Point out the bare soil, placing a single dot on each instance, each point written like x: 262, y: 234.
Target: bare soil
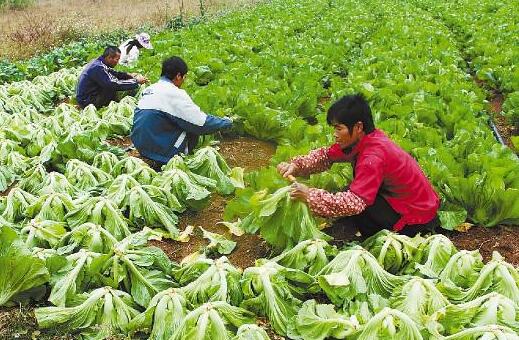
x: 495, y: 104
x: 250, y: 154
x: 487, y: 240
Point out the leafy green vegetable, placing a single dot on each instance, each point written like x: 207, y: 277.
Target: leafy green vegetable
x: 72, y: 278
x: 56, y: 182
x: 32, y: 181
x: 393, y: 251
x: 143, y: 209
x: 105, y: 161
x: 25, y: 271
x: 353, y: 272
x: 142, y: 271
x: 251, y: 332
x: 463, y: 268
x: 189, y: 188
x: 84, y: 176
x: 390, y: 324
x: 109, y: 309
x: 432, y: 256
x: 101, y: 211
x: 274, y: 291
x: 163, y: 316
x: 282, y: 222
x: 218, y: 243
x: 319, y: 321
x: 205, y: 280
x: 87, y: 236
x: 213, y: 320
x: 6, y: 178
x: 309, y: 256
x: 209, y: 163
x: 496, y: 276
x: 43, y: 233
x: 490, y: 309
x: 51, y: 207
x: 16, y: 205
x: 418, y: 298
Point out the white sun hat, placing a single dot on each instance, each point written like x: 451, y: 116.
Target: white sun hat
x: 144, y: 40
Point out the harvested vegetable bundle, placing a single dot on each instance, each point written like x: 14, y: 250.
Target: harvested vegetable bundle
x: 16, y: 205
x: 309, y: 256
x: 432, y: 256
x: 51, y: 207
x: 72, y: 278
x: 32, y: 181
x: 209, y: 163
x: 43, y: 233
x: 282, y: 222
x: 163, y: 316
x: 390, y: 324
x: 393, y: 251
x: 320, y: 321
x: 102, y: 211
x: 213, y: 320
x: 7, y: 178
x: 108, y: 309
x: 143, y: 271
x: 496, y: 276
x: 463, y: 269
x: 143, y: 209
x: 84, y: 176
x: 87, y: 236
x: 105, y: 161
x: 418, y: 298
x: 490, y: 309
x: 353, y: 272
x: 274, y: 291
x: 189, y: 188
x: 205, y: 280
x: 56, y: 182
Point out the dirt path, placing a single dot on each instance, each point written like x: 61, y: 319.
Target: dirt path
x: 250, y: 154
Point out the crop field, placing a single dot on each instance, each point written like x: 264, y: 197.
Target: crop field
x: 95, y: 244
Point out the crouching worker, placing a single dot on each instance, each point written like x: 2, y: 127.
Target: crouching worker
x: 388, y: 190
x: 166, y: 121
x: 99, y: 83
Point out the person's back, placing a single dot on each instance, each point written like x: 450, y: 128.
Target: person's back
x: 166, y: 121
x: 130, y: 48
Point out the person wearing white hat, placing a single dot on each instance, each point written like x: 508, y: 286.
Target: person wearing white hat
x: 130, y: 48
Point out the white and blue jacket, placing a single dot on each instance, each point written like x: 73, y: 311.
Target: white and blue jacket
x: 166, y: 118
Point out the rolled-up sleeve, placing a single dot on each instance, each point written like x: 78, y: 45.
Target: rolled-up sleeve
x: 339, y: 204
x: 316, y: 161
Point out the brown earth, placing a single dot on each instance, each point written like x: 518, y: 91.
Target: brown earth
x: 499, y: 238
x: 495, y: 104
x: 250, y: 154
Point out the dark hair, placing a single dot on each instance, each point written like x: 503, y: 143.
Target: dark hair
x: 173, y: 66
x: 349, y: 110
x: 110, y: 51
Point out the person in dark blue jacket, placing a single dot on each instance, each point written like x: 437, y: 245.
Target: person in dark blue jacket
x: 99, y: 82
x: 167, y: 121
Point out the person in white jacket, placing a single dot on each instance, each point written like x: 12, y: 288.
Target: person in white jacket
x: 130, y: 48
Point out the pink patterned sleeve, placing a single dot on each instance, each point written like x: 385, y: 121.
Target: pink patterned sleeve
x: 326, y: 204
x: 316, y: 161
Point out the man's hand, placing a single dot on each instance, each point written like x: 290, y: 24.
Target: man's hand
x: 300, y: 192
x: 286, y: 169
x: 141, y: 79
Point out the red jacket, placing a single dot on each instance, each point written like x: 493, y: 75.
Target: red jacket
x: 381, y: 166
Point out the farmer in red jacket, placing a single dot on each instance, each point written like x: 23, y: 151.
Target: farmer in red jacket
x: 388, y: 191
